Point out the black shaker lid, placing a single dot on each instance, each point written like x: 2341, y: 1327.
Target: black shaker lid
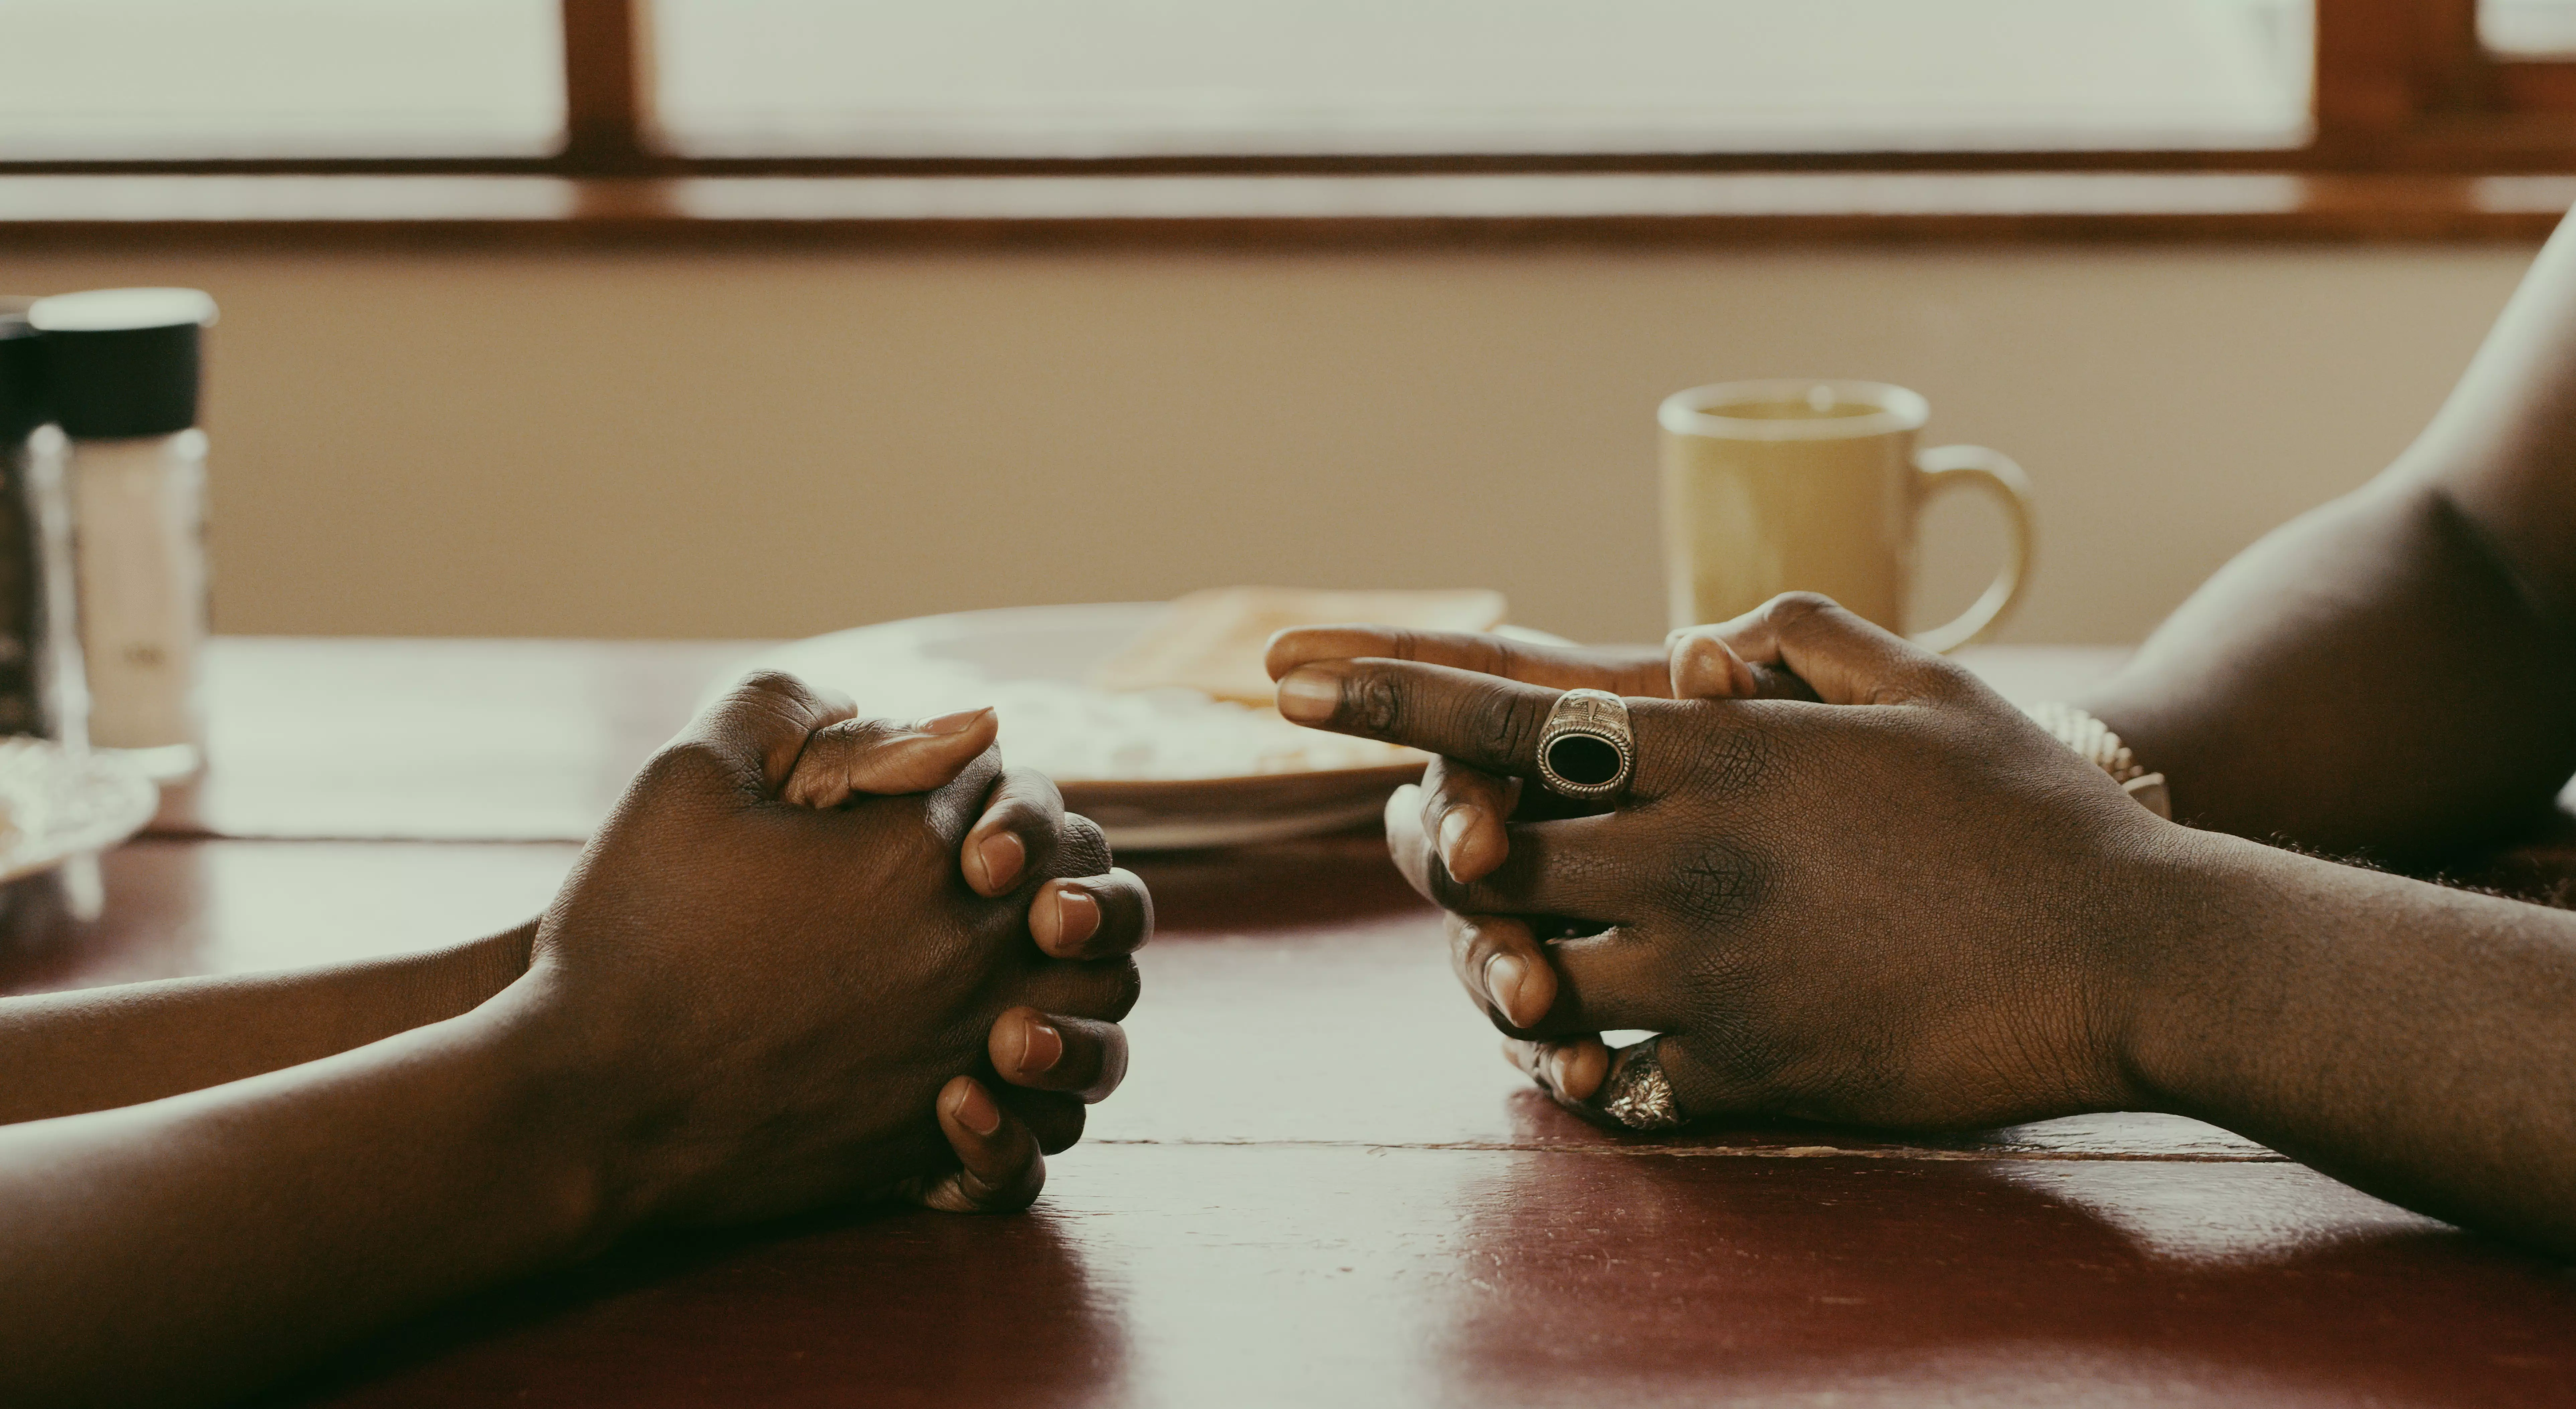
x: 122, y: 362
x: 22, y: 404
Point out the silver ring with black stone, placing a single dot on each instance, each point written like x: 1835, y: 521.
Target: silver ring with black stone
x: 1586, y: 750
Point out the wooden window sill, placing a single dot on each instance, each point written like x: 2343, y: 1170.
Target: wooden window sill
x: 1615, y: 209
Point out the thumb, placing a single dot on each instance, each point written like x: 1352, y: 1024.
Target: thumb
x: 749, y: 740
x: 1704, y: 667
x: 1843, y: 658
x: 884, y: 758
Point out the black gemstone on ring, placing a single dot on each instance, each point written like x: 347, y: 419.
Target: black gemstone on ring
x: 1585, y: 760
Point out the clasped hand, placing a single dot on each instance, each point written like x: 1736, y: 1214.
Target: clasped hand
x: 1847, y: 882
x: 797, y: 942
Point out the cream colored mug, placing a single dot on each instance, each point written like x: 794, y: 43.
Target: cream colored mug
x: 1813, y: 486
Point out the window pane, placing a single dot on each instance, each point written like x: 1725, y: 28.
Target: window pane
x: 1142, y: 77
x: 2528, y: 28
x: 278, y: 78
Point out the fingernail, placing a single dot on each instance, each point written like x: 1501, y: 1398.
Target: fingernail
x: 1503, y: 976
x: 957, y: 723
x: 1702, y: 668
x: 1077, y: 916
x: 1560, y: 1069
x: 976, y: 1111
x: 1591, y: 1066
x: 1002, y: 854
x: 1310, y: 696
x: 1453, y: 830
x: 1041, y: 1046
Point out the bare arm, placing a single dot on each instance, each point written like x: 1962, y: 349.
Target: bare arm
x: 185, y: 1250
x: 93, y: 1049
x: 2394, y: 673
x: 2415, y: 1041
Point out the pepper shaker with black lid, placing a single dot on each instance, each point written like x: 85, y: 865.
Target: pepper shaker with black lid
x: 121, y: 379
x: 40, y: 689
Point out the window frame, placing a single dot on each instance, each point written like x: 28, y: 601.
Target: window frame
x: 2401, y: 85
x: 2410, y: 112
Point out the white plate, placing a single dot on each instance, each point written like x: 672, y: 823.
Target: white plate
x: 58, y: 803
x: 1162, y: 770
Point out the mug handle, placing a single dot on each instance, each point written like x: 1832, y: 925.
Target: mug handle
x: 1946, y: 466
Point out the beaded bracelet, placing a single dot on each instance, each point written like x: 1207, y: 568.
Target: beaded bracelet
x: 2093, y: 741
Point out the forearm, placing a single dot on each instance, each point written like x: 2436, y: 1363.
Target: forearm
x: 184, y: 1250
x: 93, y: 1049
x: 2371, y: 678
x: 2417, y: 1042
x: 2395, y: 672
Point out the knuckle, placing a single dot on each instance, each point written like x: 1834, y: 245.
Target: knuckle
x: 1791, y: 608
x: 1373, y: 701
x: 1029, y: 788
x: 958, y: 805
x: 1141, y: 899
x: 1111, y: 1063
x: 856, y: 734
x: 686, y: 765
x: 1081, y: 847
x: 1122, y: 984
x: 839, y: 750
x: 1734, y: 761
x: 1513, y: 721
x: 1947, y: 679
x: 1716, y: 886
x: 1466, y: 938
x: 773, y: 682
x: 1034, y: 825
x: 980, y: 774
x: 1462, y: 954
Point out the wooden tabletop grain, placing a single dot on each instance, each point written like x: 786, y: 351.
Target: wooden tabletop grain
x: 1320, y: 1185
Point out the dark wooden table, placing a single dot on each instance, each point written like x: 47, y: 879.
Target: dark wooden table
x: 1320, y: 1185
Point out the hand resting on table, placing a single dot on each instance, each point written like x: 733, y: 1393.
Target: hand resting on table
x: 1744, y: 899
x: 1902, y: 904
x: 738, y: 1006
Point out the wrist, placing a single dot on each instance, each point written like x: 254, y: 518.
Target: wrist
x: 553, y: 1097
x: 2173, y: 969
x: 607, y: 1079
x: 459, y: 980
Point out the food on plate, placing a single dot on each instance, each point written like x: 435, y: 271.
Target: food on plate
x: 1077, y: 734
x: 1212, y: 641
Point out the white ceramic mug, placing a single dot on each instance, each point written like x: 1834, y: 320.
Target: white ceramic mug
x: 1814, y: 486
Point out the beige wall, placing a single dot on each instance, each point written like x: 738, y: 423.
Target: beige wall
x: 774, y: 444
